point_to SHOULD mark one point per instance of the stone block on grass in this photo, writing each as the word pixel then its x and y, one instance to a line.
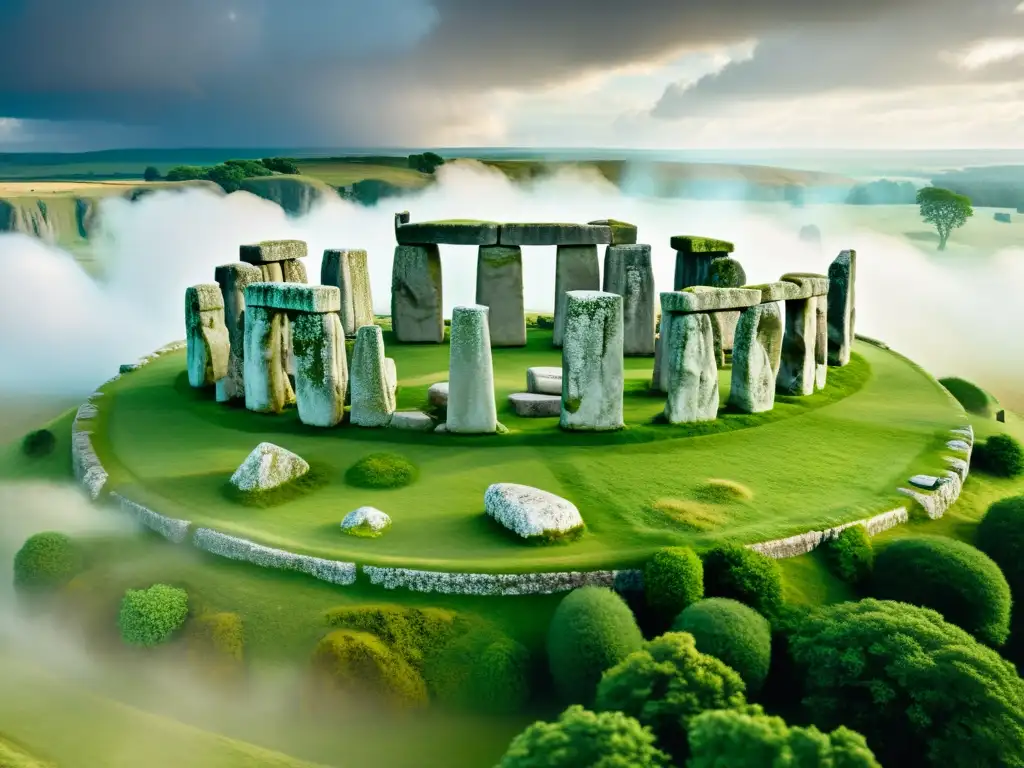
pixel 530 405
pixel 347 269
pixel 628 272
pixel 592 362
pixel 207 341
pixel 576 269
pixel 366 521
pixel 530 512
pixel 417 294
pixel 471 405
pixel 373 399
pixel 499 286
pixel 411 421
pixel 544 380
pixel 233 279
pixel 437 395
pixel 267 467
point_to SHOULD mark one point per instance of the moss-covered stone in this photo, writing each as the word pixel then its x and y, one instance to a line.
pixel 628 272
pixel 726 273
pixel 623 233
pixel 294 297
pixel 272 250
pixel 207 341
pixel 842 312
pixel 576 269
pixel 592 362
pixel 471 405
pixel 702 298
pixel 811 284
pixel 348 269
pixel 552 233
pixel 696 244
pixel 448 232
pixel 778 291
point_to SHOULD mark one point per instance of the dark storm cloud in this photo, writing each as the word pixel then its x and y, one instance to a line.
pixel 384 71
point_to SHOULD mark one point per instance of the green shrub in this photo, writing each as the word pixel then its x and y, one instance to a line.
pixel 999 455
pixel 217 634
pixel 850 555
pixel 47 561
pixel 414 633
pixel 972 397
pixel 726 273
pixel 584 739
pixel 358 662
pixel 591 630
pixel 951 577
pixel 732 632
pixel 742 574
pixel 38 444
pixel 673 579
pixel 483 671
pixel 1000 535
pixel 381 470
pixel 150 616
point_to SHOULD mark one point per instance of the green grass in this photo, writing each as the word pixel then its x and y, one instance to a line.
pixel 340 173
pixel 382 470
pixel 318 476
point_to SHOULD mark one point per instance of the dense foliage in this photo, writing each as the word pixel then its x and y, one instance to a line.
pixel 415 633
pixel 951 577
pixel 591 631
pixel 150 616
pixel 742 574
pixel 356 662
pixel 999 455
pixel 1000 535
pixel 482 670
pixel 723 737
pixel 584 739
pixel 427 162
pixel 218 634
pixel 673 579
pixel 850 555
pixel 230 174
pixel 39 443
pixel 666 683
pixel 921 690
pixel 382 470
pixel 151 173
pixel 972 397
pixel 46 561
pixel 883 192
pixel 945 210
pixel 733 633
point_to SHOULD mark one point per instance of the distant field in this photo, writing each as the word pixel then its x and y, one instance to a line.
pixel 342 174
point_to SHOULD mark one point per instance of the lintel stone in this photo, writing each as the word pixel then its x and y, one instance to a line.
pixel 817 285
pixel 554 234
pixel 696 244
pixel 272 250
pixel 448 232
pixel 294 297
pixel 623 233
pixel 703 298
pixel 780 291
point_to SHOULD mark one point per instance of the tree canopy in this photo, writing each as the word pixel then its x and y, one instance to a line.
pixel 945 210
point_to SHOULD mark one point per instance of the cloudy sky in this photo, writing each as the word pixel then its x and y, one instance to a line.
pixel 82 74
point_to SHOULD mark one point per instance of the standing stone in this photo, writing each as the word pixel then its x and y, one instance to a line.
pixel 627 272
pixel 499 286
pixel 797 366
pixel 471 406
pixel 755 358
pixel 348 269
pixel 842 312
pixel 576 269
pixel 267 389
pixel 688 359
pixel 321 371
pixel 820 342
pixel 272 272
pixel 416 294
pixel 373 401
pixel 207 341
pixel 232 279
pixel 294 271
pixel 693 259
pixel 592 363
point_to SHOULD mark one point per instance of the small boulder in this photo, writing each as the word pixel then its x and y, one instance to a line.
pixel 437 395
pixel 529 511
pixel 413 421
pixel 365 521
pixel 924 481
pixel 531 405
pixel 544 381
pixel 268 466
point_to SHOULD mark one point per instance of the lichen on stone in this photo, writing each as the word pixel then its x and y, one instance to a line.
pixel 471 404
pixel 268 466
pixel 272 250
pixel 366 522
pixel 530 512
pixel 373 401
pixel 592 362
pixel 697 244
pixel 206 335
pixel 294 297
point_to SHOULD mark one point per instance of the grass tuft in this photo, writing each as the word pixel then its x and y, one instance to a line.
pixel 382 470
pixel 692 515
pixel 717 491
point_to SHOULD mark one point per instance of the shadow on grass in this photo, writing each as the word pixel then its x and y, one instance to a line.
pixel 318 476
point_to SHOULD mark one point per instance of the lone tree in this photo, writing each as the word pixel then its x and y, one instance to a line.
pixel 944 209
pixel 151 174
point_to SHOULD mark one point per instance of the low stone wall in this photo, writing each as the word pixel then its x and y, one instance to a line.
pixel 234 548
pixel 86 464
pixel 500 583
pixel 170 528
pixel 174 346
pixel 803 543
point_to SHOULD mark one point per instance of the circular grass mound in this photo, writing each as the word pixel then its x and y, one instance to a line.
pixel 973 398
pixel 718 491
pixel 46 561
pixel 382 470
pixel 733 633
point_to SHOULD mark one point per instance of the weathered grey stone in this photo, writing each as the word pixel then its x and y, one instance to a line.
pixel 400 219
pixel 272 272
pixel 842 312
pixel 293 297
pixel 779 291
pixel 554 234
pixel 623 233
pixel 451 232
pixel 693 259
pixel 272 250
pixel 659 377
pixel 543 380
pixel 348 270
pixel 703 298
pixel 966 433
pixel 754 358
pixel 797 365
pixel 268 466
pixel 417 294
pixel 959 446
pixel 366 521
pixel 530 511
pixel 412 421
pixel 820 341
pixel 689 362
pixel 391 377
pixel 928 482
pixel 935 504
pixel 321 370
pixel 294 271
pixel 810 283
pixel 267 388
pixel 232 279
pixel 437 395
pixel 531 405
pixel 499 286
pixel 576 269
pixel 627 272
pixel 206 335
pixel 961 467
pixel 471 406
pixel 373 401
pixel 696 244
pixel 592 362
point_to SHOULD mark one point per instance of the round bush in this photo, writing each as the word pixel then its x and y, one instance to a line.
pixel 999 455
pixel 483 671
pixel 382 470
pixel 745 575
pixel 972 397
pixel 733 633
pixel 46 561
pixel 39 443
pixel 673 579
pixel 850 555
pixel 349 660
pixel 1000 535
pixel 955 579
pixel 591 630
pixel 150 616
pixel 726 273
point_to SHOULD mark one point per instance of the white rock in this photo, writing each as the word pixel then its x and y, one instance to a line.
pixel 924 481
pixel 543 380
pixel 530 511
pixel 531 405
pixel 368 518
pixel 471 406
pixel 437 395
pixel 959 445
pixel 414 421
pixel 592 364
pixel 268 466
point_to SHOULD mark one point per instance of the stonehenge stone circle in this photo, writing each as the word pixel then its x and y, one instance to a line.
pixel 628 272
pixel 693 259
pixel 755 358
pixel 373 400
pixel 206 336
pixel 232 279
pixel 798 366
pixel 499 286
pixel 348 270
pixel 690 365
pixel 576 269
pixel 842 313
pixel 592 362
pixel 471 405
pixel 416 294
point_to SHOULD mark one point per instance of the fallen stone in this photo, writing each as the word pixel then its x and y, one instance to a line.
pixel 576 269
pixel 927 482
pixel 542 380
pixel 417 294
pixel 691 369
pixel 232 279
pixel 531 405
pixel 348 270
pixel 437 395
pixel 695 244
pixel 321 369
pixel 623 233
pixel 373 401
pixel 268 466
pixel 267 388
pixel 701 298
pixel 450 232
pixel 811 284
pixel 471 405
pixel 755 358
pixel 820 341
pixel 366 521
pixel 499 286
pixel 592 362
pixel 412 421
pixel 554 234
pixel 272 250
pixel 797 366
pixel 842 312
pixel 529 511
pixel 294 271
pixel 206 335
pixel 628 272
pixel 293 297
pixel 1002 218
pixel 780 291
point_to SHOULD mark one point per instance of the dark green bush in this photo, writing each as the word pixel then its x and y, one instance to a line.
pixel 382 470
pixel 850 555
pixel 150 616
pixel 280 164
pixel 999 455
pixel 726 273
pixel 46 561
pixel 39 443
pixel 350 661
pixel 1000 535
pixel 673 579
pixel 732 632
pixel 591 630
pixel 481 671
pixel 955 579
pixel 742 574
pixel 217 634
pixel 414 633
pixel 972 397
